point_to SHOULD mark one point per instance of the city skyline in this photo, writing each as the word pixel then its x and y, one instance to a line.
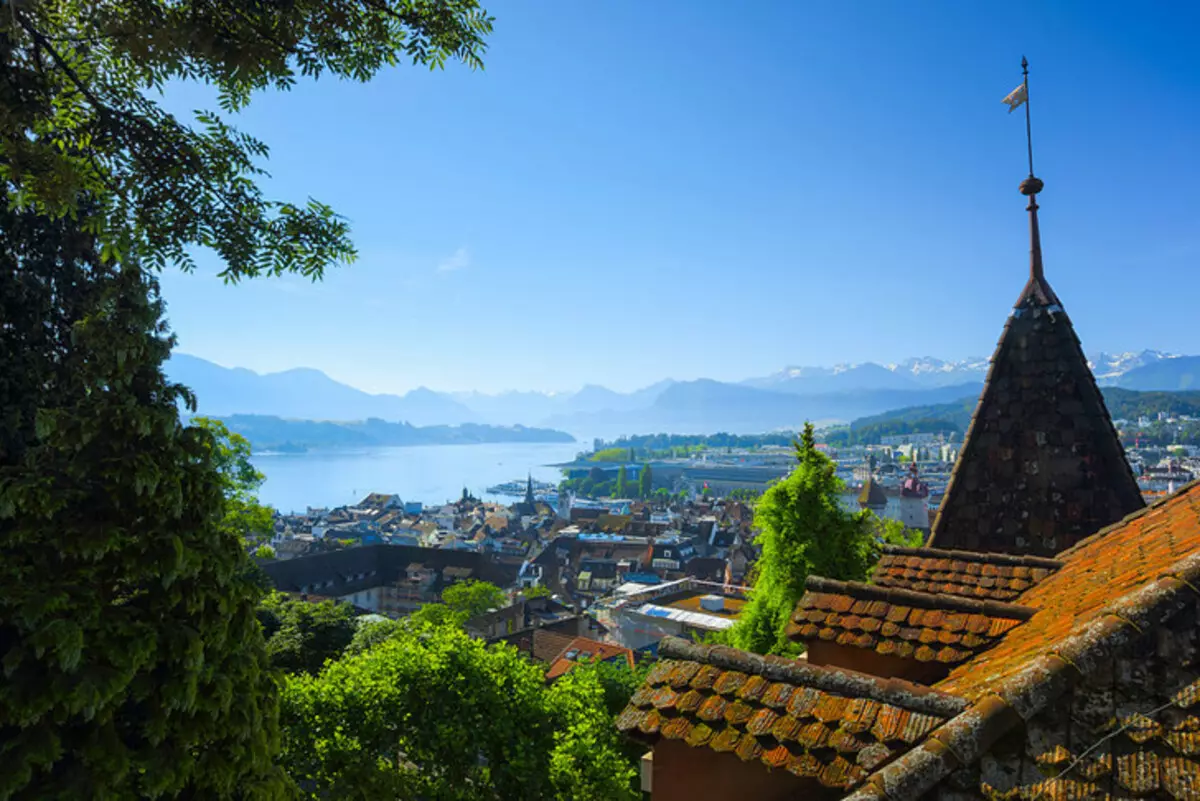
pixel 814 185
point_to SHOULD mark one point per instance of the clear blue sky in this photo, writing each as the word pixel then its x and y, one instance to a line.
pixel 634 190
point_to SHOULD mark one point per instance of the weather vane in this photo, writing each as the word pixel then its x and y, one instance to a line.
pixel 1020 97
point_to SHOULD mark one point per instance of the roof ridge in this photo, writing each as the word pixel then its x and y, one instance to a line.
pixel 924 600
pixel 1019 696
pixel 848 683
pixel 1024 560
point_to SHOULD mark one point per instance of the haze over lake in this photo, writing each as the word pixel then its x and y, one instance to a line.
pixel 431 474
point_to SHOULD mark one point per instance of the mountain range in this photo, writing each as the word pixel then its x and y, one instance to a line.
pixel 784 399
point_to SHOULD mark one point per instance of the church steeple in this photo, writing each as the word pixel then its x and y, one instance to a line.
pixel 529 491
pixel 1041 467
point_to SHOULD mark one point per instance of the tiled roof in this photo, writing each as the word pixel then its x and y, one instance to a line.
pixel 585 648
pixel 1156 756
pixel 997 577
pixel 823 724
pixel 1102 583
pixel 1041 467
pixel 1124 581
pixel 902 623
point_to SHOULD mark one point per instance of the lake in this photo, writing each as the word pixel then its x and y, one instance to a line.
pixel 432 474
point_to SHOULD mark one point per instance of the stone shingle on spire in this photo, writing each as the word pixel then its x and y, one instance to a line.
pixel 1042 466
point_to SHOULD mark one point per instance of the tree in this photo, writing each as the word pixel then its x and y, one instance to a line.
pixel 244 515
pixel 893 532
pixel 803 530
pixel 622 487
pixel 82 131
pixel 264 552
pixel 370 633
pixel 134 665
pixel 537 591
pixel 432 713
pixel 461 602
pixel 133 662
pixel 645 482
pixel 302 635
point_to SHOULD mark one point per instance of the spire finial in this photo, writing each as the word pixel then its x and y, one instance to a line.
pixel 1030 187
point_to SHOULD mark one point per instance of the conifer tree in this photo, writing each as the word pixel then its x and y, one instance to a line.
pixel 645 482
pixel 622 488
pixel 133 664
pixel 803 530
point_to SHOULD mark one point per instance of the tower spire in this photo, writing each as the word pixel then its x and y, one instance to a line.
pixel 1037 291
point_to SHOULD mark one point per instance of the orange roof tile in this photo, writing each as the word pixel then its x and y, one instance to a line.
pixel 583 648
pixel 996 577
pixel 1126 579
pixel 1103 578
pixel 828 725
pixel 904 623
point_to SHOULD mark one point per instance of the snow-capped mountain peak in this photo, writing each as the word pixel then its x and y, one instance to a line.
pixel 1111 365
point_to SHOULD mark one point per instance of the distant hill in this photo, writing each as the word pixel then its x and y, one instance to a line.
pixel 783 400
pixel 1123 404
pixel 306 394
pixel 1126 404
pixel 706 406
pixel 268 433
pixel 1169 374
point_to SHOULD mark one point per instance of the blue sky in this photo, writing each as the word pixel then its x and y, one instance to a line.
pixel 632 191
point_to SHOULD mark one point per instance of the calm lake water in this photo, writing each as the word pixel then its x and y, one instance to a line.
pixel 431 474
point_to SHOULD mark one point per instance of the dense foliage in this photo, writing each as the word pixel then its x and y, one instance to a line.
pixel 244 515
pixel 1127 404
pixel 302 635
pixel 1123 404
pixel 873 433
pixel 134 665
pixel 133 662
pixel 428 712
pixel 83 134
pixel 803 530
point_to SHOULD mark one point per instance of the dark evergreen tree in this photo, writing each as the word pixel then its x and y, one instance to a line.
pixel 622 488
pixel 645 482
pixel 133 663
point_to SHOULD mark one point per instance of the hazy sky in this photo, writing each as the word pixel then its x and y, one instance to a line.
pixel 632 191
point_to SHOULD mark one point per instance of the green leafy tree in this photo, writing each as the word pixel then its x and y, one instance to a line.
pixel 83 134
pixel 621 489
pixel 370 633
pixel 264 552
pixel 432 713
pixel 302 635
pixel 645 482
pixel 461 602
pixel 893 532
pixel 134 666
pixel 803 530
pixel 536 591
pixel 244 515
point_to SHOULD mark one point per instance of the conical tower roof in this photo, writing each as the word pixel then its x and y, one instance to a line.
pixel 872 495
pixel 1041 467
